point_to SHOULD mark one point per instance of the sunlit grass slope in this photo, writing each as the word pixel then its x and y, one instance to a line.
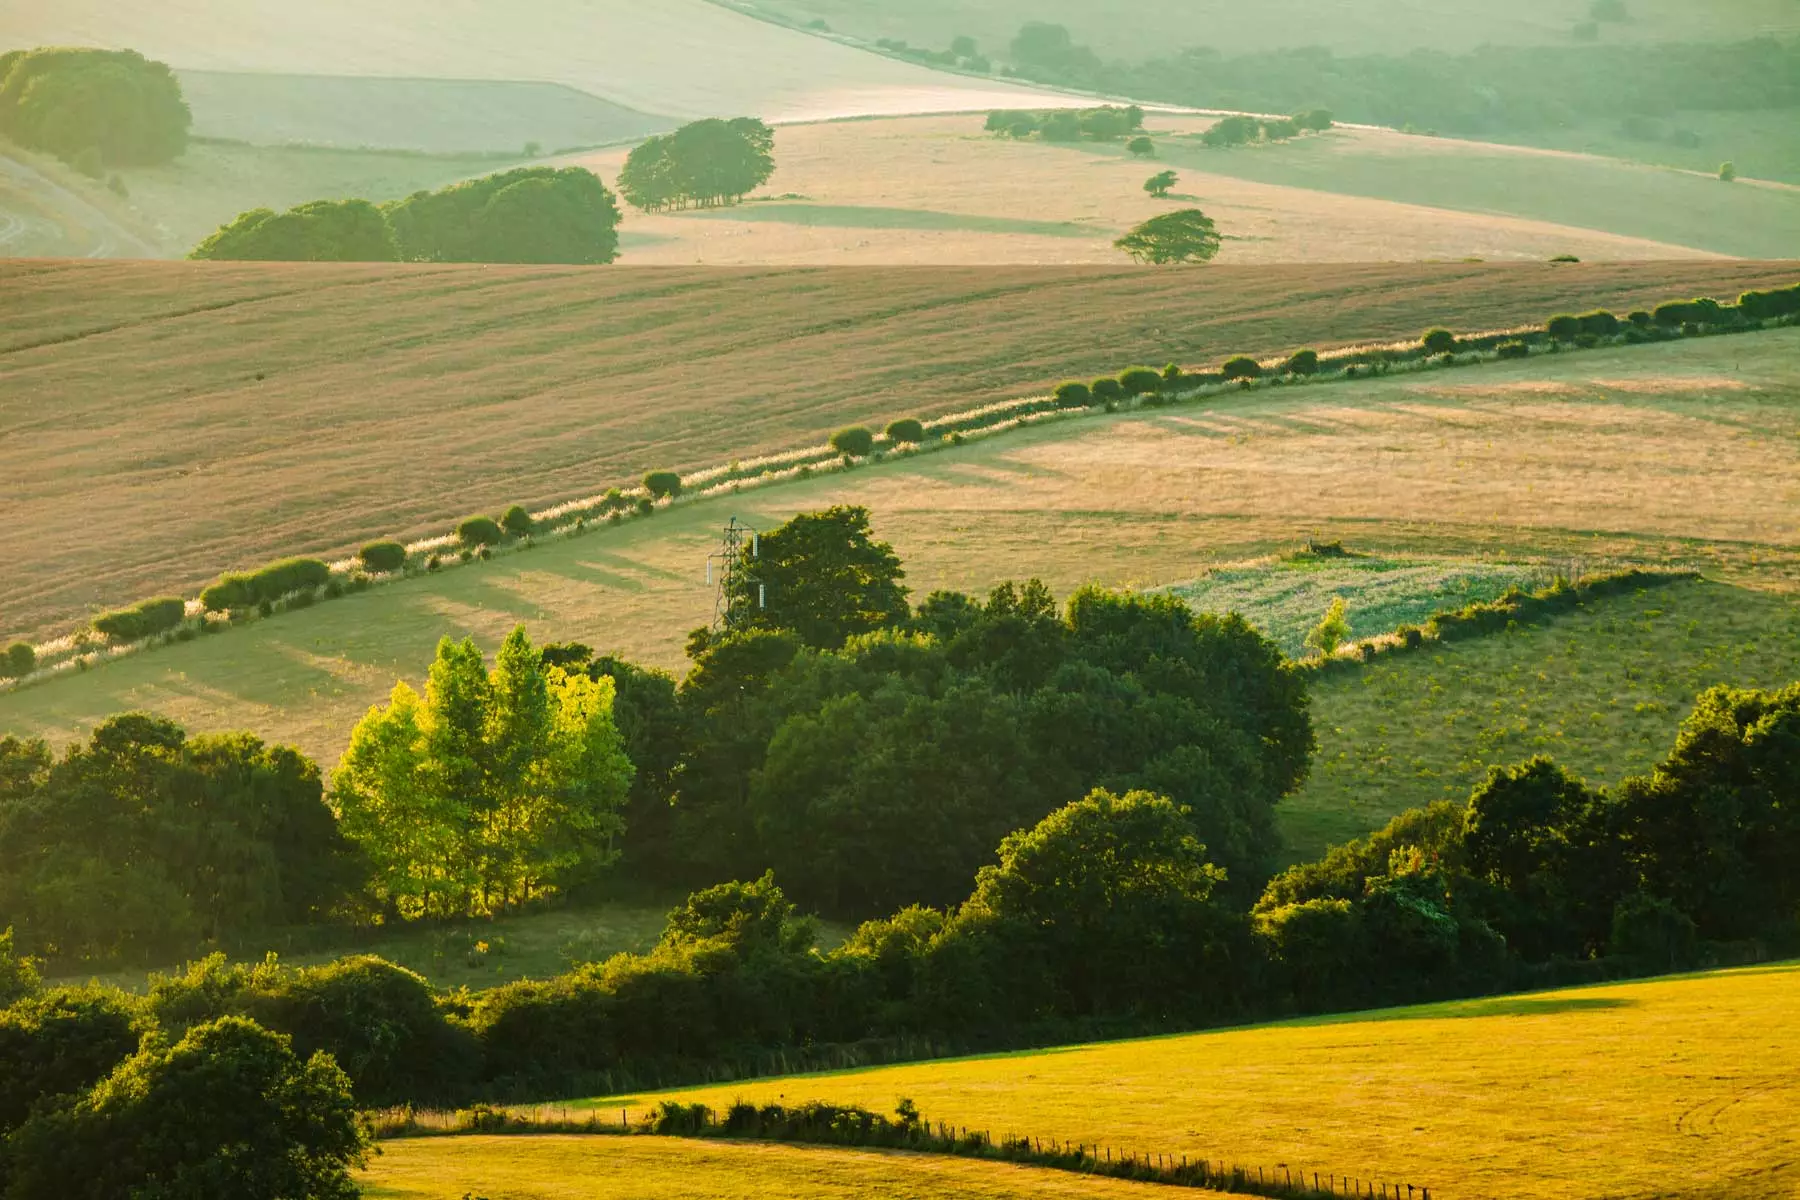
pixel 1685 453
pixel 1676 1087
pixel 1601 690
pixel 160 422
pixel 615 1168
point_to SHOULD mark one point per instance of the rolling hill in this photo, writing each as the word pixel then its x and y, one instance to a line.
pixel 1673 1087
pixel 162 422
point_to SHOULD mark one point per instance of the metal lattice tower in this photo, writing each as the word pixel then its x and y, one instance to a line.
pixel 731 567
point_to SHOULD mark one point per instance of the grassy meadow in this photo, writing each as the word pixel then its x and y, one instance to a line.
pixel 940 190
pixel 1600 690
pixel 614 1168
pixel 1682 453
pixel 160 422
pixel 684 58
pixel 1761 144
pixel 1159 27
pixel 437 116
pixel 1672 1087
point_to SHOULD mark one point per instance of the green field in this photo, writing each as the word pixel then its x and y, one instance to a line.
pixel 438 116
pixel 1601 691
pixel 1763 144
pixel 1159 27
pixel 614 1168
pixel 1684 454
pixel 1675 1087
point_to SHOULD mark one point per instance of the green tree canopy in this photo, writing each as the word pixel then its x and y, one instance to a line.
pixel 1158 185
pixel 115 103
pixel 322 231
pixel 1184 236
pixel 484 793
pixel 527 215
pixel 706 162
pixel 227 1111
pixel 823 576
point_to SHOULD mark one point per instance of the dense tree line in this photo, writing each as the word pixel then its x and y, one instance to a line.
pixel 93 108
pixel 704 163
pixel 1490 89
pixel 529 215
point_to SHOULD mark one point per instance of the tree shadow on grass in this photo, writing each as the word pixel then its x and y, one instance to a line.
pixel 1497 1006
pixel 858 216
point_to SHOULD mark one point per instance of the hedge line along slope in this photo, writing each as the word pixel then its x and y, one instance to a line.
pixel 160 422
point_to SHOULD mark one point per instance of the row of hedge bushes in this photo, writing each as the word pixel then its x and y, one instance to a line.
pixel 266 585
pixel 144 619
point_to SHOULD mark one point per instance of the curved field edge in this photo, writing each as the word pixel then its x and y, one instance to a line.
pixel 553 1167
pixel 164 421
pixel 1660 454
pixel 1674 1086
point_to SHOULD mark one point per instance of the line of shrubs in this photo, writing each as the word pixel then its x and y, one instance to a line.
pixel 265 585
pixel 145 619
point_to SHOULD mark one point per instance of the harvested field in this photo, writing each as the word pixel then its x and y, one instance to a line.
pixel 1702 479
pixel 940 190
pixel 1674 1087
pixel 160 422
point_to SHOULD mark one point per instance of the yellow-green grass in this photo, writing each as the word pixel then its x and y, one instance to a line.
pixel 1578 191
pixel 1675 1087
pixel 1684 453
pixel 1160 27
pixel 939 189
pixel 162 422
pixel 1602 691
pixel 645 1168
pixel 1760 143
pixel 440 116
pixel 686 58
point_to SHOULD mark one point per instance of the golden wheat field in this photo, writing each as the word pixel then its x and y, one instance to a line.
pixel 161 422
pixel 612 1168
pixel 1684 453
pixel 1674 1087
pixel 938 189
pixel 683 58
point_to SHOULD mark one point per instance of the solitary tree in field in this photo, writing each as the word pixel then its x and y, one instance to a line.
pixel 1331 632
pixel 1728 171
pixel 1158 185
pixel 1142 147
pixel 1185 236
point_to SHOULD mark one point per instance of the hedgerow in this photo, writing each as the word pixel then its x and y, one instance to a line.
pixel 142 620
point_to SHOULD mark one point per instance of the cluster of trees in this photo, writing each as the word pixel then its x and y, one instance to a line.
pixel 964 52
pixel 1108 123
pixel 704 163
pixel 528 215
pixel 145 843
pixel 95 109
pixel 1243 130
pixel 488 792
pixel 1492 88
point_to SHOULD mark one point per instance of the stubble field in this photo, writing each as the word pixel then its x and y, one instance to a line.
pixel 160 423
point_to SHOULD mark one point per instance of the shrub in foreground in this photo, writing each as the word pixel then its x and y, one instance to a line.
pixel 663 484
pixel 382 557
pixel 857 441
pixel 480 531
pixel 906 431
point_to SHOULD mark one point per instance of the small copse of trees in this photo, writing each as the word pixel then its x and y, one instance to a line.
pixel 704 163
pixel 94 109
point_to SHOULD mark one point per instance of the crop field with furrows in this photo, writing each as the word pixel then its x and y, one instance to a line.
pixel 1683 454
pixel 161 422
pixel 618 1168
pixel 685 58
pixel 1601 690
pixel 940 190
pixel 440 116
pixel 1159 27
pixel 1674 1087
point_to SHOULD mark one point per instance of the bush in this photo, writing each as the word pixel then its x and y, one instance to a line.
pixel 265 585
pixel 856 441
pixel 1639 319
pixel 517 521
pixel 382 557
pixel 19 660
pixel 1302 362
pixel 1728 172
pixel 1600 323
pixel 227 592
pixel 906 431
pixel 1513 349
pixel 480 531
pixel 1143 147
pixel 142 620
pixel 1140 381
pixel 1108 388
pixel 1564 327
pixel 1439 341
pixel 645 506
pixel 1242 367
pixel 1073 395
